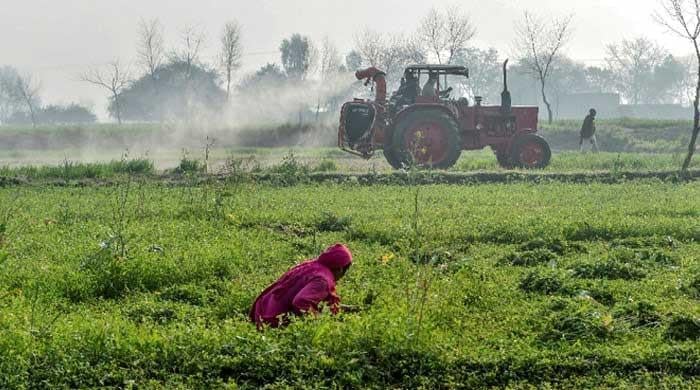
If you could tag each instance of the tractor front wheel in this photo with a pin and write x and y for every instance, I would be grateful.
(503, 158)
(428, 139)
(391, 157)
(530, 151)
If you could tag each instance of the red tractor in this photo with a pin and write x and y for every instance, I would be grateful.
(427, 128)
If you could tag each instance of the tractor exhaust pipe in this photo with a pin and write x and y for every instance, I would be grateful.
(506, 101)
(379, 78)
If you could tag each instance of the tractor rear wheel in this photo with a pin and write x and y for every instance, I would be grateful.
(530, 151)
(427, 139)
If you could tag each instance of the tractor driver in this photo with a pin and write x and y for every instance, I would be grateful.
(412, 87)
(408, 91)
(429, 89)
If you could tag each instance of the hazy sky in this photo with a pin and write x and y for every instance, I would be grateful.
(57, 39)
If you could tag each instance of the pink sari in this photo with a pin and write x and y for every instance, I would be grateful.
(301, 289)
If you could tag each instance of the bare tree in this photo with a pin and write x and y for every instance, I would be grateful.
(231, 52)
(330, 61)
(682, 17)
(537, 44)
(431, 32)
(389, 53)
(192, 41)
(27, 90)
(151, 49)
(9, 101)
(370, 45)
(151, 53)
(633, 63)
(114, 79)
(330, 64)
(446, 33)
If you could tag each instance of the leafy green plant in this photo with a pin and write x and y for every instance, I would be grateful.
(683, 327)
(580, 320)
(693, 286)
(326, 165)
(608, 269)
(329, 222)
(173, 313)
(544, 282)
(554, 245)
(529, 258)
(641, 314)
(188, 165)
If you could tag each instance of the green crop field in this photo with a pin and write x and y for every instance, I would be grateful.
(142, 283)
(125, 266)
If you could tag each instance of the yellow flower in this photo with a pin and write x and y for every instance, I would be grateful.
(387, 257)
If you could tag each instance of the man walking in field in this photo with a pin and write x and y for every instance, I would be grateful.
(588, 131)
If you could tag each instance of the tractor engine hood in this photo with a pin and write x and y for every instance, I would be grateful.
(379, 78)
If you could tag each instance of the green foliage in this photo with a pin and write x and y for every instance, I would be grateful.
(330, 222)
(290, 166)
(608, 269)
(683, 327)
(70, 170)
(543, 282)
(326, 165)
(581, 319)
(530, 258)
(189, 166)
(639, 314)
(554, 245)
(693, 286)
(172, 311)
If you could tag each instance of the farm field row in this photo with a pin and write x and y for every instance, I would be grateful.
(97, 163)
(138, 283)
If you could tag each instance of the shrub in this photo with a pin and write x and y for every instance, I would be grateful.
(108, 273)
(608, 269)
(529, 258)
(658, 257)
(598, 294)
(149, 311)
(683, 327)
(188, 165)
(330, 222)
(326, 166)
(639, 314)
(579, 320)
(554, 245)
(290, 166)
(644, 242)
(643, 256)
(193, 294)
(693, 287)
(543, 281)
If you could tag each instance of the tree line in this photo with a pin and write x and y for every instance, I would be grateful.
(177, 83)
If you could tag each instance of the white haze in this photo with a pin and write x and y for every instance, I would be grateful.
(56, 40)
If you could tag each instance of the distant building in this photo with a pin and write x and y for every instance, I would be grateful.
(576, 106)
(655, 111)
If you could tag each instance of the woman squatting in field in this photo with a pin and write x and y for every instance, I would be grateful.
(301, 289)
